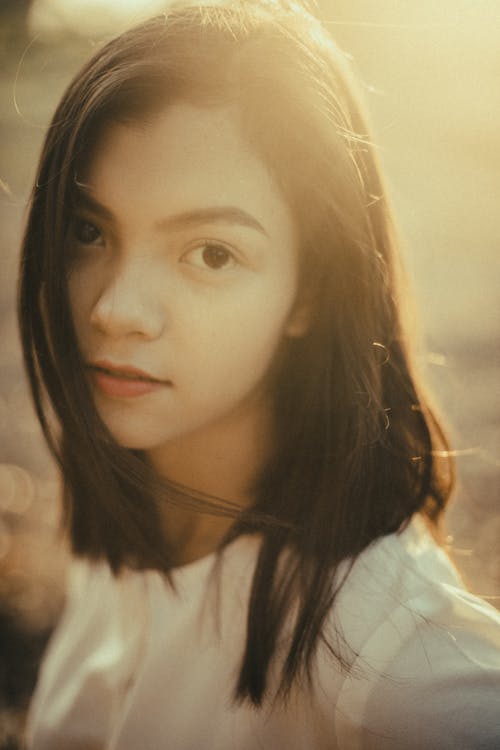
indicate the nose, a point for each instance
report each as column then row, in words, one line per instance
column 126, row 306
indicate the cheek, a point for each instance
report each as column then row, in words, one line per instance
column 80, row 294
column 235, row 344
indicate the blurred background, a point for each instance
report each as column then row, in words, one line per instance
column 430, row 74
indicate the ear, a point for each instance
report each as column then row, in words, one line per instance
column 300, row 318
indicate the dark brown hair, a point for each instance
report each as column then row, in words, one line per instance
column 356, row 441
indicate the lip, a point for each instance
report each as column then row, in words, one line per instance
column 123, row 381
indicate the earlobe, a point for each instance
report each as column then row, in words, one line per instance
column 299, row 320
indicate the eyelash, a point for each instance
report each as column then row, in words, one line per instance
column 216, row 248
column 79, row 223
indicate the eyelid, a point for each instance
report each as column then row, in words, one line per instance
column 83, row 217
column 201, row 244
column 84, row 213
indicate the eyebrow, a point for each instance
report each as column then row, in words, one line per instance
column 185, row 219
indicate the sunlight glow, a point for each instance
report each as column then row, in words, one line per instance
column 88, row 17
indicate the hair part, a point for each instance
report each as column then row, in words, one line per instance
column 356, row 439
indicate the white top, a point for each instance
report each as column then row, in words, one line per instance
column 135, row 666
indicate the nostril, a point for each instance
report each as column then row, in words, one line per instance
column 118, row 314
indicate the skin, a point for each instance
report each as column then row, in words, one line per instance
column 200, row 303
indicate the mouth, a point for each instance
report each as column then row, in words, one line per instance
column 126, row 372
column 123, row 381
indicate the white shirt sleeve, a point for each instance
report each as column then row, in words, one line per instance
column 88, row 666
column 433, row 670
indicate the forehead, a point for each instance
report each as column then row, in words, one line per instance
column 183, row 158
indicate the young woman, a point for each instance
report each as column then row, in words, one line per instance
column 253, row 479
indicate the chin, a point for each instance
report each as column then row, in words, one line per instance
column 131, row 429
column 142, row 442
column 133, row 437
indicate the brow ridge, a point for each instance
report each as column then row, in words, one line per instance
column 182, row 220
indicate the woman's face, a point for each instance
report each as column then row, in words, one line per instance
column 184, row 268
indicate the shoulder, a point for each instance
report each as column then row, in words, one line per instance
column 406, row 575
column 424, row 653
column 90, row 657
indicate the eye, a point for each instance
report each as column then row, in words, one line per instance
column 211, row 255
column 86, row 233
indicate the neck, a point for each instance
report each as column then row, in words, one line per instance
column 222, row 462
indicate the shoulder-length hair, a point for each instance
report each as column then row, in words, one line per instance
column 356, row 443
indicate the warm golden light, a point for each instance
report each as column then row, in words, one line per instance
column 429, row 75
